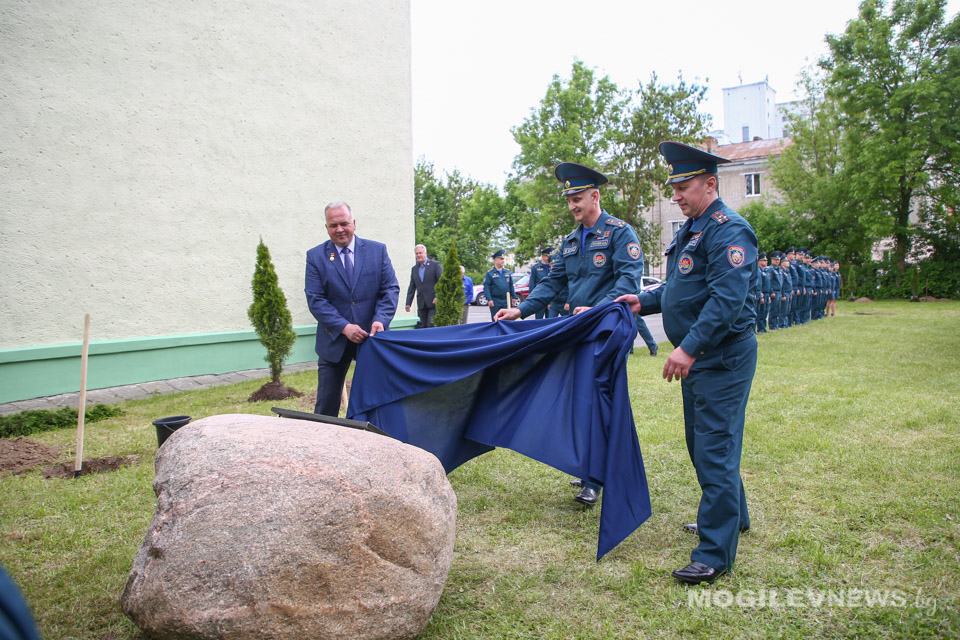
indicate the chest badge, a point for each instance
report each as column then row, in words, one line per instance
column 686, row 263
column 735, row 255
column 599, row 259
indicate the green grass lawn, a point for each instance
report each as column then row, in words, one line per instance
column 851, row 464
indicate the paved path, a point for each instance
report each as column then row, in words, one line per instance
column 113, row 395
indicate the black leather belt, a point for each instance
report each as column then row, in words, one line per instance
column 737, row 337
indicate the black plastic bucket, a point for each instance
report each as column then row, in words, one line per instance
column 166, row 426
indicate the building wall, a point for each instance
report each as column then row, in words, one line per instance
column 754, row 106
column 146, row 147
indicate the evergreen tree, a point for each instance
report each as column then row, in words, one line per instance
column 449, row 290
column 269, row 313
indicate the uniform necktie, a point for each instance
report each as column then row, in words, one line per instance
column 348, row 264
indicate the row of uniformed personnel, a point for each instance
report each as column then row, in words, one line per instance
column 796, row 288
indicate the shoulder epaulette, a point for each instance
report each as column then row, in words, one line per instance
column 720, row 217
column 616, row 222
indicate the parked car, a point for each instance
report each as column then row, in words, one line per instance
column 648, row 283
column 521, row 286
column 478, row 298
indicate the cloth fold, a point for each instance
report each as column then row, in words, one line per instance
column 554, row 390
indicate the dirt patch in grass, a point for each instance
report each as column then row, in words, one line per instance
column 309, row 401
column 274, row 391
column 21, row 454
column 93, row 465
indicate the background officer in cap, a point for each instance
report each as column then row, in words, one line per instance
column 790, row 263
column 835, row 292
column 539, row 273
column 763, row 292
column 787, row 273
column 777, row 292
column 497, row 283
column 600, row 260
column 709, row 315
column 804, row 282
column 558, row 306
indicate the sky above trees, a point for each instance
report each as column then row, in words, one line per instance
column 479, row 69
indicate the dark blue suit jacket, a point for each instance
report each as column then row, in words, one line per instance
column 335, row 303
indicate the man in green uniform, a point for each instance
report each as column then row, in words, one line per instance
column 599, row 261
column 497, row 283
column 539, row 273
column 709, row 316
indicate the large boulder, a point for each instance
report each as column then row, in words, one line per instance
column 276, row 528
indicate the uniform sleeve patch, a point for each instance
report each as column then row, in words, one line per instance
column 634, row 250
column 735, row 255
column 720, row 217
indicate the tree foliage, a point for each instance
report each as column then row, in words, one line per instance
column 653, row 113
column 449, row 290
column 591, row 121
column 819, row 210
column 457, row 207
column 775, row 225
column 572, row 124
column 895, row 78
column 269, row 313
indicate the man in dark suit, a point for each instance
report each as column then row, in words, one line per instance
column 352, row 291
column 423, row 278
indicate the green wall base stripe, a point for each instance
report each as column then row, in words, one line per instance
column 35, row 372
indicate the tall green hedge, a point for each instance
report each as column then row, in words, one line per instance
column 882, row 281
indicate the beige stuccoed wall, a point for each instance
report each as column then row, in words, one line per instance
column 146, row 146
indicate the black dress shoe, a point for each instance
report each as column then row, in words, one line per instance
column 587, row 496
column 576, row 483
column 653, row 351
column 692, row 528
column 695, row 573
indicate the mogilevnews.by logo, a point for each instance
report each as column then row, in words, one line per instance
column 809, row 598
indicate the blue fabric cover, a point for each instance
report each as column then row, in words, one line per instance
column 554, row 390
